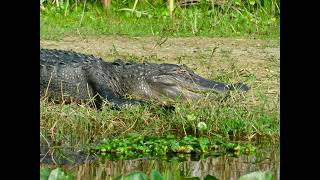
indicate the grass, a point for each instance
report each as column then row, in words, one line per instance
column 239, row 117
column 230, row 121
column 231, row 20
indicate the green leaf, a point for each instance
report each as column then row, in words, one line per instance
column 202, row 126
column 252, row 2
column 58, row 174
column 44, row 173
column 191, row 117
column 203, row 140
column 133, row 176
column 185, row 149
column 237, row 2
column 138, row 14
column 191, row 178
column 258, row 175
column 189, row 139
column 155, row 175
column 209, row 177
column 55, row 174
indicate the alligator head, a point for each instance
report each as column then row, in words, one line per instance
column 172, row 81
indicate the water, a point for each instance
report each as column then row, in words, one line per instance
column 222, row 167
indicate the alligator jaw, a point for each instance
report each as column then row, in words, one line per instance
column 176, row 85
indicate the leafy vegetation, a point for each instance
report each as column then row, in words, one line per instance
column 229, row 118
column 55, row 174
column 254, row 18
column 233, row 117
column 136, row 146
column 258, row 175
column 226, row 123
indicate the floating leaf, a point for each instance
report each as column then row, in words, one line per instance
column 58, row 174
column 55, row 174
column 203, row 142
column 258, row 175
column 136, row 146
column 133, row 176
column 209, row 177
column 191, row 178
column 44, row 173
column 155, row 175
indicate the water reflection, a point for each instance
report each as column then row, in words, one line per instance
column 222, row 167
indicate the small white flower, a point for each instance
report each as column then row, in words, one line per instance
column 202, row 126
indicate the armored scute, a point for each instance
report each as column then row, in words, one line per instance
column 68, row 76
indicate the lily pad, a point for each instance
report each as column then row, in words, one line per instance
column 44, row 173
column 138, row 175
column 258, row 175
column 155, row 175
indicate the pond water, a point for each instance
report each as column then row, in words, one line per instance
column 222, row 167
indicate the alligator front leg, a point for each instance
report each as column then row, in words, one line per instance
column 115, row 101
column 99, row 82
column 107, row 95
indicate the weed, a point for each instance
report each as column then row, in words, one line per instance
column 233, row 19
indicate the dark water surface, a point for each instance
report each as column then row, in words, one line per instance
column 222, row 167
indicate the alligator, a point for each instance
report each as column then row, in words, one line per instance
column 72, row 76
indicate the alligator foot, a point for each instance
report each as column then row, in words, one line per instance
column 120, row 103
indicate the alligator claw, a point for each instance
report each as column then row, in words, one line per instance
column 126, row 103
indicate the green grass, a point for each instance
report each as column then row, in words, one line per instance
column 239, row 117
column 229, row 121
column 230, row 20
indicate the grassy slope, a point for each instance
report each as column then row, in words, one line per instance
column 229, row 20
column 241, row 116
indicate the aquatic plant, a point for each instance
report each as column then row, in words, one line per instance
column 55, row 174
column 135, row 146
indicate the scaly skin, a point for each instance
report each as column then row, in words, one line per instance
column 67, row 75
